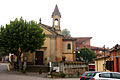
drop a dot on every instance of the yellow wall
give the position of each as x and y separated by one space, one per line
68 53
58 50
46 51
65 50
31 57
47 45
69 57
99 64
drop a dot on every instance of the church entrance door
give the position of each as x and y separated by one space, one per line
39 58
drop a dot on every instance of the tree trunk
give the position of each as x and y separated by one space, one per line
24 61
3 59
19 62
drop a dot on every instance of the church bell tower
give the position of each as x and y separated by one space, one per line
56 19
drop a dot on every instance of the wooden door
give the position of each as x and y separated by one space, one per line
39 57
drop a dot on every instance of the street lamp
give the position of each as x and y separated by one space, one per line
74 58
77 55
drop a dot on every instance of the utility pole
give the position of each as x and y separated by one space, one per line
104 59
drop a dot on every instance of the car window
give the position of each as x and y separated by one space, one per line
104 75
90 74
116 75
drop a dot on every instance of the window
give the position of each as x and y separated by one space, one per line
77 48
116 75
105 75
69 46
90 74
56 22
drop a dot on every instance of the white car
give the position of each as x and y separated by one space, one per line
107 76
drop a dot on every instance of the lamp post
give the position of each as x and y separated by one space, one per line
77 55
74 58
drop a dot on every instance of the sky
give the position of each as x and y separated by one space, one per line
99 19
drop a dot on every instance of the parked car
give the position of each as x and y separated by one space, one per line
88 75
106 76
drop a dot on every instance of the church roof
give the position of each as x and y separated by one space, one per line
68 38
56 11
51 29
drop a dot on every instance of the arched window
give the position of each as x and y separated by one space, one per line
56 22
68 46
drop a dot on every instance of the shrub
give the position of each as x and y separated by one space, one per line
62 75
40 71
55 74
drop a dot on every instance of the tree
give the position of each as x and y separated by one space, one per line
65 32
23 35
2 53
87 55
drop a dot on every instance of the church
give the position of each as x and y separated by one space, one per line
56 46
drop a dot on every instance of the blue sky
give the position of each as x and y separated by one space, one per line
99 19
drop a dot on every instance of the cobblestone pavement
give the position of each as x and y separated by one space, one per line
8 75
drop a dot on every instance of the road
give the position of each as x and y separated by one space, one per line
8 75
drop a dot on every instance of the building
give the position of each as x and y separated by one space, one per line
114 63
100 62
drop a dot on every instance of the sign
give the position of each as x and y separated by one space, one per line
50 64
56 68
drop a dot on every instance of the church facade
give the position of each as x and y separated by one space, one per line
56 46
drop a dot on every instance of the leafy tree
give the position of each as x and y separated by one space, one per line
65 32
20 34
2 53
87 55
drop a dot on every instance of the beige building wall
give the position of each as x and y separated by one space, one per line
65 50
31 57
47 44
69 57
47 51
58 50
46 54
99 64
68 53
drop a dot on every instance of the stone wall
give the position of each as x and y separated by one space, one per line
71 69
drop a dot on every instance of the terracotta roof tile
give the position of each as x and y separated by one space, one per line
68 38
116 47
49 28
